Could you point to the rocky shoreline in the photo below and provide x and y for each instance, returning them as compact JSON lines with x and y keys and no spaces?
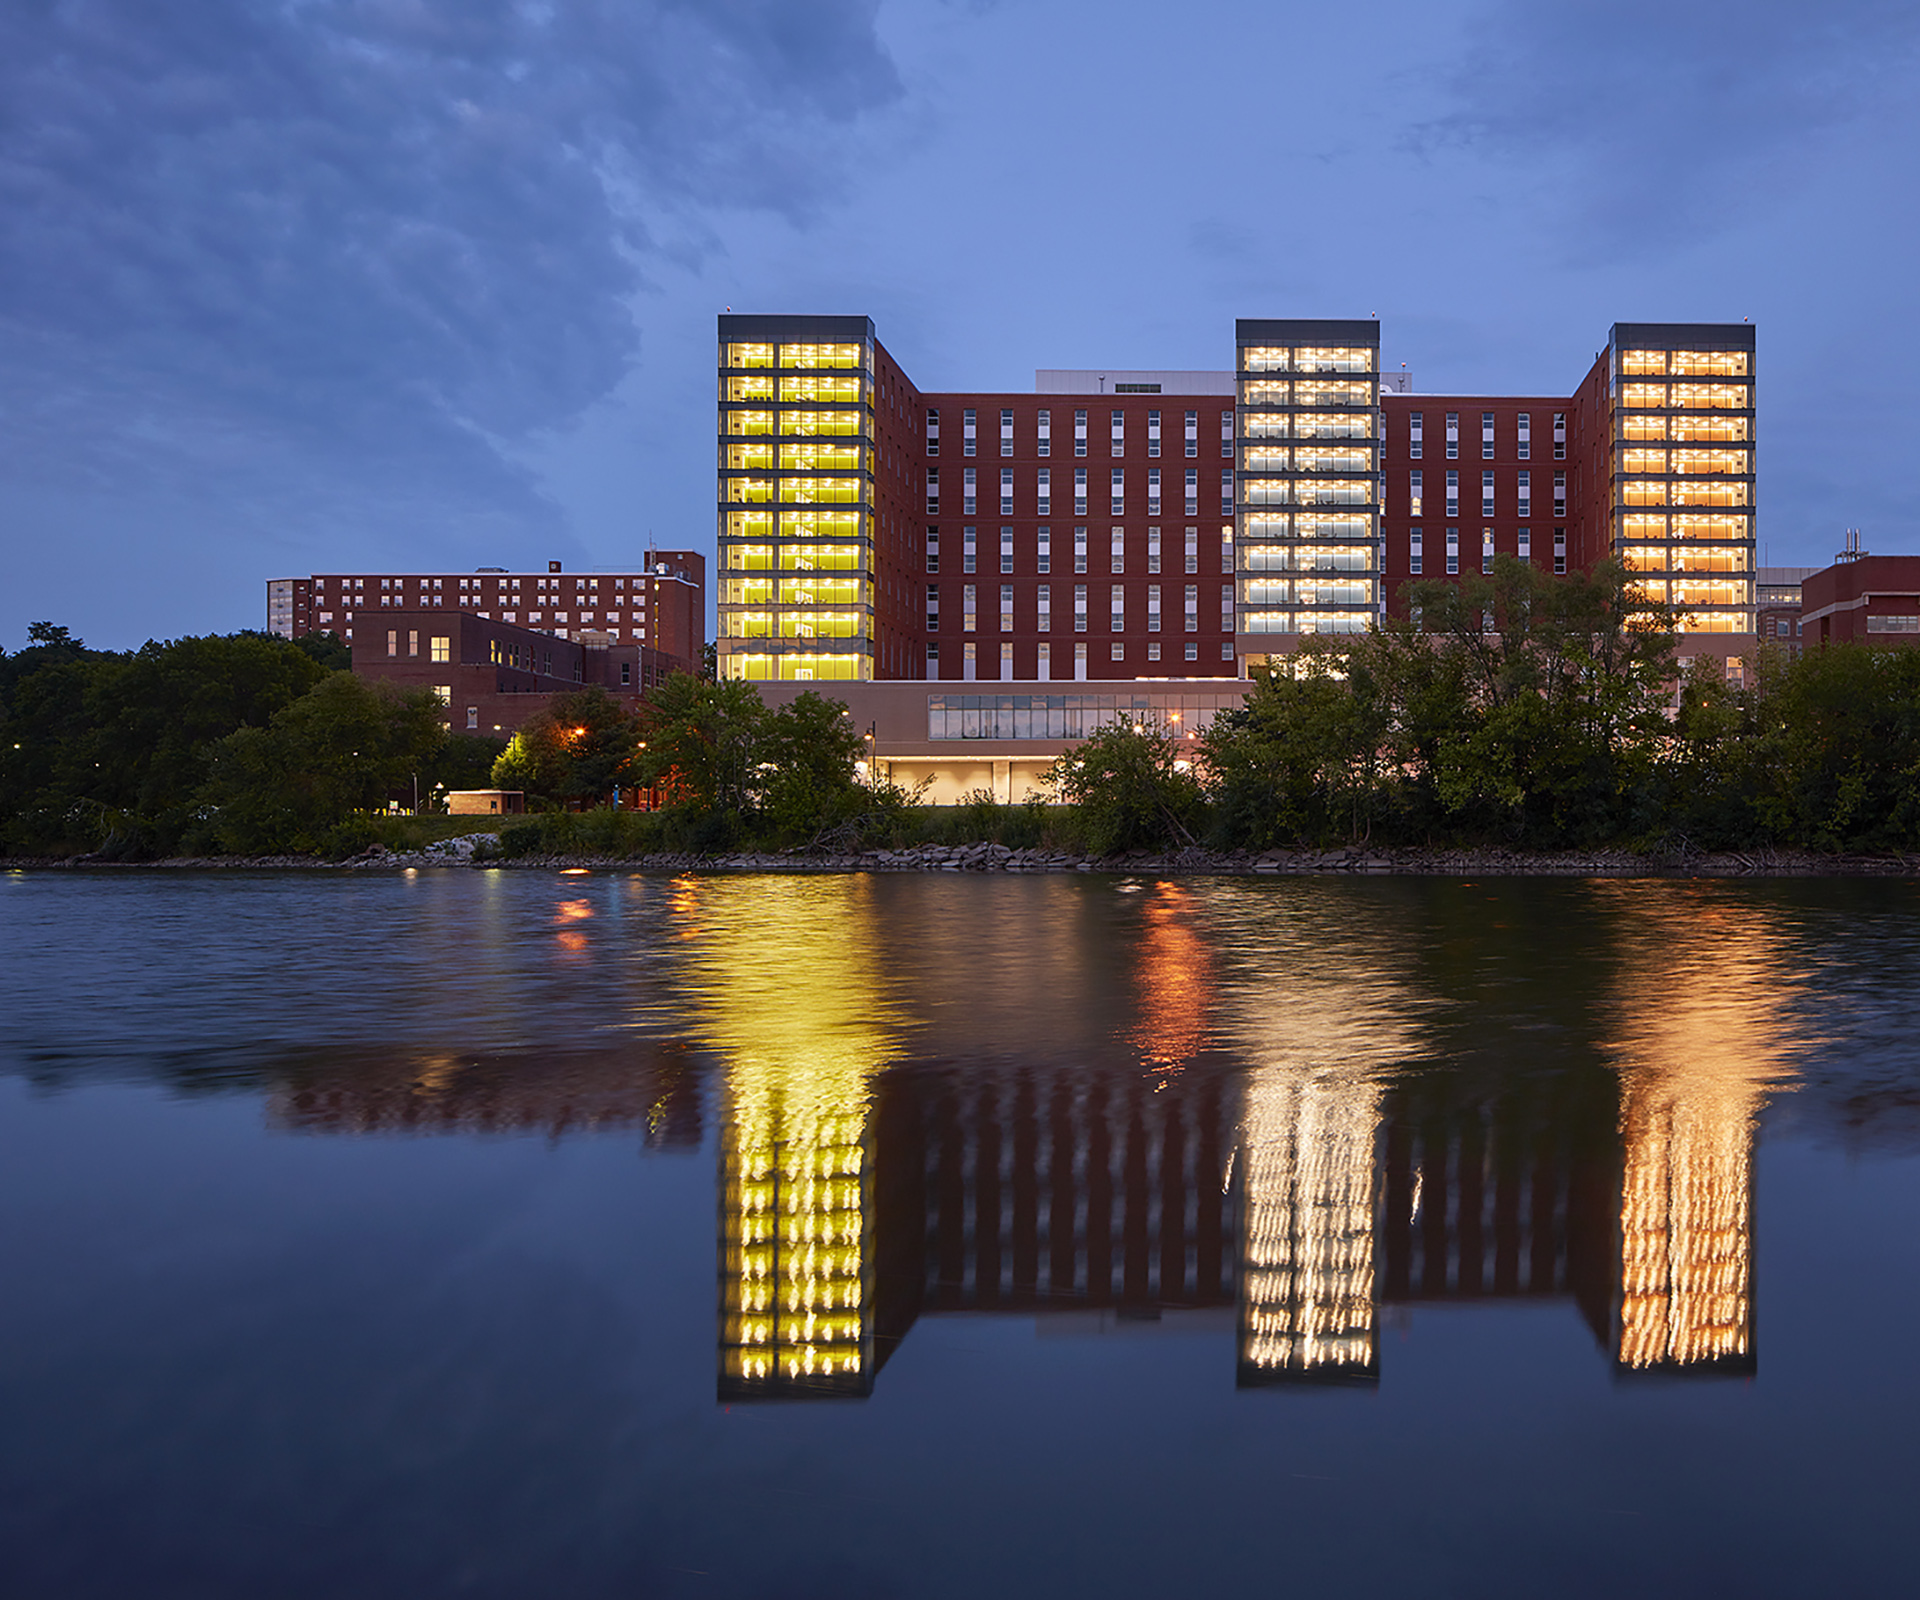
{"x":464,"y":852}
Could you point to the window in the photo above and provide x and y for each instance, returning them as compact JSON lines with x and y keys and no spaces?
{"x":1080,"y":662}
{"x":1118,"y":551}
{"x":1486,"y":549}
{"x":1226,"y":547}
{"x":969,"y":551}
{"x":1453,"y":494}
{"x":1414,"y":555}
{"x":1525,"y":550}
{"x":1193,"y":491}
{"x":967,"y":431}
{"x":1560,"y":550}
{"x":1453,"y":435}
{"x":1006,"y":608}
{"x":1559,"y":494}
{"x":1006,"y":491}
{"x":1192,"y":551}
{"x":1079,"y":433}
{"x":969,"y":654}
{"x":969,"y":615}
{"x":1191,"y":610}
{"x":1891,"y":624}
{"x":473,"y":716}
{"x":1153,"y":549}
{"x":1486,"y":494}
{"x":1153,"y":491}
{"x":1226,"y":494}
{"x":1486,"y":436}
{"x":1079,"y":491}
{"x":933,"y":491}
{"x":933,"y":608}
{"x":1453,"y":550}
{"x":933,"y":658}
{"x":1153,"y":650}
{"x":1524,"y":493}
{"x":1118,"y":491}
{"x":1413,"y":435}
{"x":1118,"y":651}
{"x":1006,"y":660}
{"x":1079,"y":608}
{"x":1079,"y":549}
{"x":1226,"y":433}
{"x":1119,"y":433}
{"x":1153,"y":608}
{"x":1414,"y":494}
{"x":1226,"y":609}
{"x":1153,"y":433}
{"x":393,"y":644}
{"x":1044,"y":667}
{"x":413,"y":642}
{"x":969,"y":490}
{"x":1045,"y":561}
{"x":1044,"y":493}
{"x":440,"y":647}
{"x":1043,"y":597}
{"x":933,"y":549}
{"x":933,"y":431}
{"x":1193,"y":436}
{"x":626,"y":674}
{"x":1006,"y":433}
{"x":1559,"y":436}
{"x":1526,"y":435}
{"x":1045,"y":429}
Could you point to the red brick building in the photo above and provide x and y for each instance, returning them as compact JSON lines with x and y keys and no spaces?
{"x":661,"y":603}
{"x":1870,"y":600}
{"x":492,"y":676}
{"x":1122,"y":525}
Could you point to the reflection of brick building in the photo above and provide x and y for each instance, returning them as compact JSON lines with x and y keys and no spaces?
{"x":1778,"y":606}
{"x":493,"y":676}
{"x":429,"y":1092}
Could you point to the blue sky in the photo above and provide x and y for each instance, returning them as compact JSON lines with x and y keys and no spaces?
{"x":392,"y":284}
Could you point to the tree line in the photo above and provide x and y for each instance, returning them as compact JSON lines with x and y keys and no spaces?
{"x":1511,"y":709}
{"x":237,"y":743}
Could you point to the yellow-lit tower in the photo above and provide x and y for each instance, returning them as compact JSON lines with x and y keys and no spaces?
{"x":1681,"y":467}
{"x":797,"y":490}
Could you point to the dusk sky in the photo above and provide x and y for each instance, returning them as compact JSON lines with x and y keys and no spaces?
{"x":382,"y":285}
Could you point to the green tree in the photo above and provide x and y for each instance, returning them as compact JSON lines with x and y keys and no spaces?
{"x":1133,"y":787}
{"x":339,"y":749}
{"x":578,"y":750}
{"x":807,"y":755}
{"x":700,"y":743}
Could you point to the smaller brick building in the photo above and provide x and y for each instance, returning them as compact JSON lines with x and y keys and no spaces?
{"x":493,"y":676}
{"x":1874,"y":600}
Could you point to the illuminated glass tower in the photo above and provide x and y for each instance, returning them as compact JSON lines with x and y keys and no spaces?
{"x":797,"y":492}
{"x":1308,"y":504}
{"x":1681,"y":467}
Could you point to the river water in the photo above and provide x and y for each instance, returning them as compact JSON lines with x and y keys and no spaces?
{"x":520,"y":1233}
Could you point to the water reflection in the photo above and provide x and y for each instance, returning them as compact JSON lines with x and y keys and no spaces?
{"x":781,"y":983}
{"x":1704,"y":1012}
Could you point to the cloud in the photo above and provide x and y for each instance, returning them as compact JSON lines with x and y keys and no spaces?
{"x":1648,"y":109}
{"x":249,"y":237}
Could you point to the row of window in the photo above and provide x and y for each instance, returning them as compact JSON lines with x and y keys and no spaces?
{"x":1044,"y":662}
{"x":1043,"y":432}
{"x":1523,"y":435}
{"x":1523,"y":493}
{"x":1043,"y":491}
{"x":1043,"y":608}
{"x":1042,"y":549}
{"x":548,"y":584}
{"x":1416,"y":549}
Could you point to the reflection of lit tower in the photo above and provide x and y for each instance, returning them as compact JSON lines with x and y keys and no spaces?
{"x":1697,"y":1065}
{"x":1686,"y":1226}
{"x":1310,"y":1188}
{"x":794,"y":1245}
{"x":801,"y":1023}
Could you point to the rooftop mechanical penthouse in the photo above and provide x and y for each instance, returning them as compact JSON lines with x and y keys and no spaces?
{"x":1139,"y":524}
